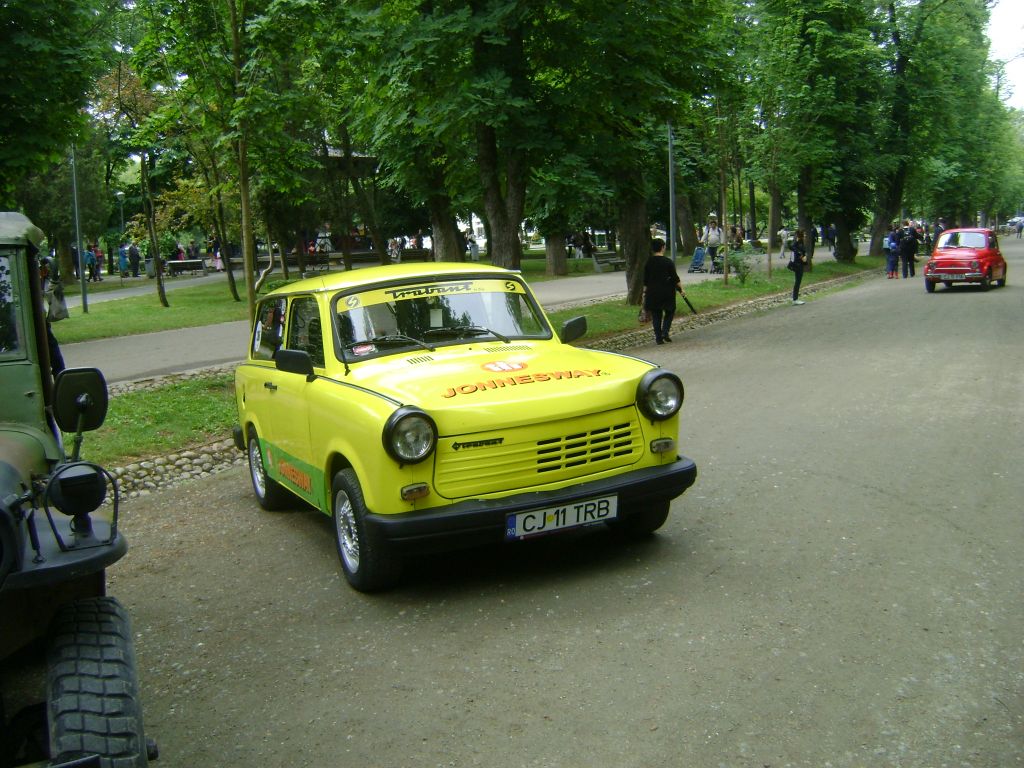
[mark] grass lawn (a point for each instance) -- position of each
(190, 307)
(172, 418)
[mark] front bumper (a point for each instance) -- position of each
(482, 521)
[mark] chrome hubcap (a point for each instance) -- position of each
(345, 528)
(259, 478)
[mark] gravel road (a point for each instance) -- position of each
(842, 587)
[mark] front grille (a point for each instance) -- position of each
(584, 448)
(523, 457)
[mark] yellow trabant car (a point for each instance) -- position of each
(431, 406)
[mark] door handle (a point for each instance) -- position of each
(269, 385)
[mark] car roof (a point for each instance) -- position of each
(366, 276)
(15, 228)
(986, 230)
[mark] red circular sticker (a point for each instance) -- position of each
(503, 366)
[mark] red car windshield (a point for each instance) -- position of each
(962, 240)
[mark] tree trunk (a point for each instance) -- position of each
(504, 212)
(753, 211)
(774, 215)
(845, 251)
(150, 211)
(444, 230)
(635, 232)
(248, 238)
(803, 193)
(687, 227)
(554, 253)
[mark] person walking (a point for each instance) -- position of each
(712, 237)
(892, 252)
(661, 284)
(134, 257)
(908, 249)
(798, 261)
(122, 259)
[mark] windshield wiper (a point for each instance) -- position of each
(394, 338)
(467, 330)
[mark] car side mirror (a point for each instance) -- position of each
(295, 361)
(80, 399)
(572, 329)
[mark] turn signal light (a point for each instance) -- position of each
(416, 491)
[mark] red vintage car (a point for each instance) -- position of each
(966, 256)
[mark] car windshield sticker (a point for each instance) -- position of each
(427, 290)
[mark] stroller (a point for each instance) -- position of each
(697, 262)
(718, 261)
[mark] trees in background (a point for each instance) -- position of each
(272, 118)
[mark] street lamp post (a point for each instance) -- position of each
(671, 193)
(80, 255)
(120, 202)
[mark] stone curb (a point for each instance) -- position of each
(144, 477)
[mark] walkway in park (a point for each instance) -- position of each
(129, 358)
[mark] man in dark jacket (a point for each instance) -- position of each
(908, 248)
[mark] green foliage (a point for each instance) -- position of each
(52, 54)
(739, 265)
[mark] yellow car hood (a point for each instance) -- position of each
(464, 387)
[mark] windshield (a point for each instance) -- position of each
(426, 315)
(10, 343)
(962, 240)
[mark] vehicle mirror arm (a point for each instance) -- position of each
(83, 402)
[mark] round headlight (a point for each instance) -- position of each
(659, 395)
(409, 435)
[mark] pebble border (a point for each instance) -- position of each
(142, 478)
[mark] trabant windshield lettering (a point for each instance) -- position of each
(393, 319)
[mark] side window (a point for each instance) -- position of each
(304, 329)
(269, 330)
(9, 335)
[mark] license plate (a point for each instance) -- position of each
(573, 515)
(949, 277)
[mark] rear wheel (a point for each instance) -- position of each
(1001, 282)
(643, 522)
(93, 703)
(366, 559)
(269, 494)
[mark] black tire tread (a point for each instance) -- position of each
(93, 694)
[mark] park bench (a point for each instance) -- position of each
(603, 259)
(177, 266)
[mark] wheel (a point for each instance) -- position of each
(368, 564)
(269, 493)
(1001, 282)
(986, 282)
(929, 286)
(93, 704)
(642, 523)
